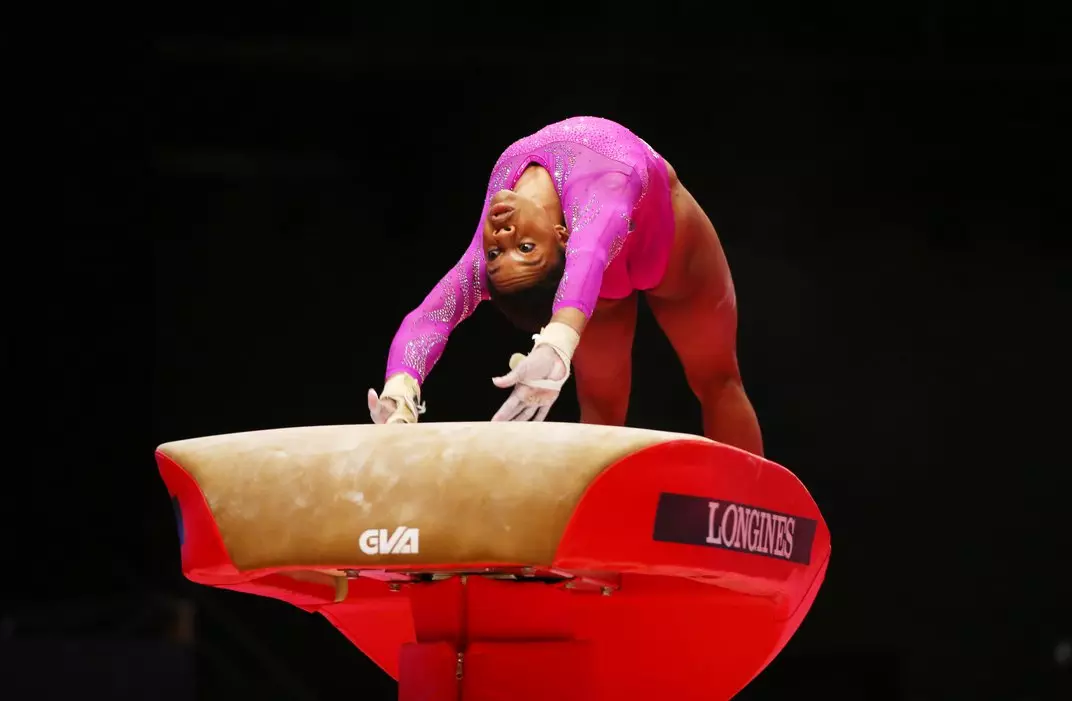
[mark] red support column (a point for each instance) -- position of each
(486, 640)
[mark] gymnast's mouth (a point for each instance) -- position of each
(499, 213)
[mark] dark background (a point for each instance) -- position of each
(257, 200)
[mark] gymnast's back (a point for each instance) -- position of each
(609, 145)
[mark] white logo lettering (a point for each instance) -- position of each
(404, 541)
(714, 537)
(750, 530)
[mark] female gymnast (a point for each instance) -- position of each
(578, 219)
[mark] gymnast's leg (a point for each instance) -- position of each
(697, 309)
(603, 362)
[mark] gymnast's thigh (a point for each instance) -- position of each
(603, 361)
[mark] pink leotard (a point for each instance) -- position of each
(615, 194)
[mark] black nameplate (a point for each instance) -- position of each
(178, 519)
(716, 523)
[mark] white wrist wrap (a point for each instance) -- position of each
(563, 340)
(406, 393)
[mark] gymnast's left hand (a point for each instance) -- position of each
(537, 380)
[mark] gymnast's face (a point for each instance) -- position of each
(522, 241)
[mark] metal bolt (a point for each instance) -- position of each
(606, 591)
(394, 586)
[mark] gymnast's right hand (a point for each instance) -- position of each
(399, 402)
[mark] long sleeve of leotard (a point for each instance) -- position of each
(597, 209)
(420, 340)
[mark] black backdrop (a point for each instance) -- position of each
(886, 188)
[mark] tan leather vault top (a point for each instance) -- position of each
(478, 492)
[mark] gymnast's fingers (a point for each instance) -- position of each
(509, 409)
(376, 408)
(541, 413)
(508, 380)
(527, 413)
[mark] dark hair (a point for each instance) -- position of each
(529, 308)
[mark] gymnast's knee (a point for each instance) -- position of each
(604, 403)
(711, 387)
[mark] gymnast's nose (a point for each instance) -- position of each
(505, 231)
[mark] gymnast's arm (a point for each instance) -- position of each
(601, 206)
(422, 336)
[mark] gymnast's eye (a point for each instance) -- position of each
(493, 254)
(527, 247)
